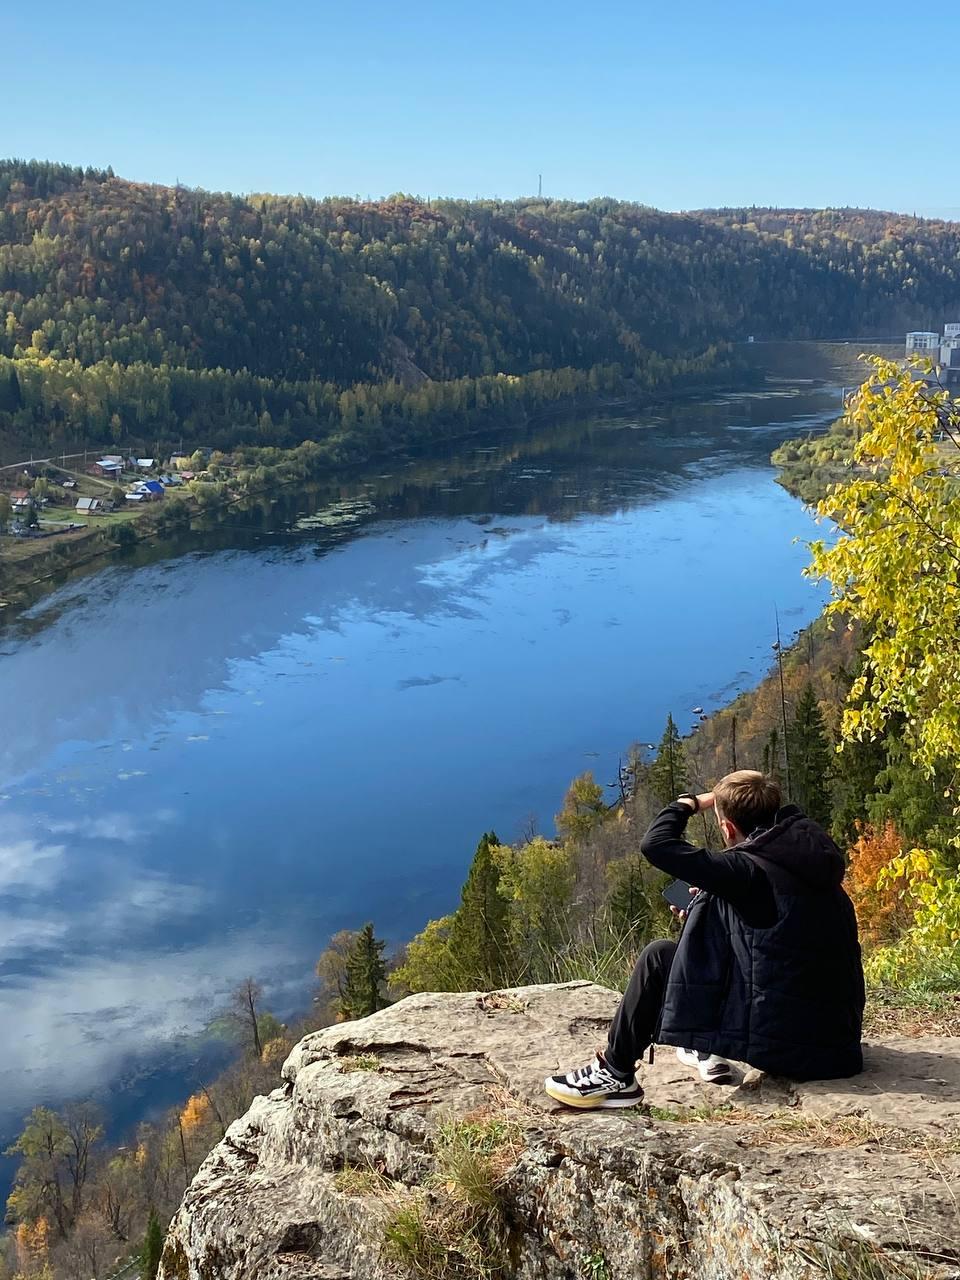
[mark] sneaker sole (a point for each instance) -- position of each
(609, 1102)
(722, 1077)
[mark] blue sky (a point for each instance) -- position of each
(679, 106)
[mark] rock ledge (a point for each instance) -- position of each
(792, 1181)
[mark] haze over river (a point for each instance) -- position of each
(216, 754)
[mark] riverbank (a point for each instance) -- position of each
(29, 567)
(809, 465)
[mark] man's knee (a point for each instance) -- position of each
(657, 957)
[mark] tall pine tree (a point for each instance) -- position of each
(152, 1247)
(811, 763)
(365, 976)
(630, 900)
(478, 933)
(772, 763)
(667, 775)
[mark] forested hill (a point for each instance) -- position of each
(139, 293)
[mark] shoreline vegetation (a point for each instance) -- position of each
(250, 472)
(29, 568)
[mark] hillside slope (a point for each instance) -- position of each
(227, 308)
(287, 287)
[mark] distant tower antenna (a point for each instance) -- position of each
(540, 185)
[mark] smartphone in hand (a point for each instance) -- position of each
(678, 895)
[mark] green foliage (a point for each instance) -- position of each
(772, 758)
(537, 879)
(123, 535)
(594, 1266)
(130, 311)
(152, 1248)
(365, 976)
(354, 1181)
(430, 963)
(363, 1062)
(904, 793)
(634, 904)
(667, 775)
(855, 788)
(927, 956)
(583, 808)
(478, 932)
(54, 1150)
(811, 760)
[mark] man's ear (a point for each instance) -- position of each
(730, 833)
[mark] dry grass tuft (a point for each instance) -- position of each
(848, 1259)
(892, 1014)
(362, 1062)
(356, 1181)
(793, 1126)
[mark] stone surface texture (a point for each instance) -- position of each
(780, 1189)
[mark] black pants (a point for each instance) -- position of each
(636, 1020)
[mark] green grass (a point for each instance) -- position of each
(456, 1228)
(473, 1155)
(413, 1242)
(594, 1267)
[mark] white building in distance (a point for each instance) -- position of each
(943, 350)
(922, 340)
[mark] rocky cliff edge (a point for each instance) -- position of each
(418, 1142)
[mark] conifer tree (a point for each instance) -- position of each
(479, 932)
(365, 976)
(152, 1247)
(10, 396)
(629, 904)
(811, 765)
(773, 756)
(667, 775)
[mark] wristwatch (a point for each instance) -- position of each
(688, 795)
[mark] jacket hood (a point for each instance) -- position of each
(799, 846)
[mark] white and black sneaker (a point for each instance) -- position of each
(594, 1086)
(713, 1070)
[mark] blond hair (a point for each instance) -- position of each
(748, 799)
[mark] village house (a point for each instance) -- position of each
(110, 466)
(20, 501)
(146, 491)
(90, 506)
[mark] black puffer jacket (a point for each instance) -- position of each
(768, 966)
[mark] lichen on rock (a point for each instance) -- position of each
(344, 1172)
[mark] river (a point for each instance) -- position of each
(215, 754)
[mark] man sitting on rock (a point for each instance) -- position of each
(767, 970)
